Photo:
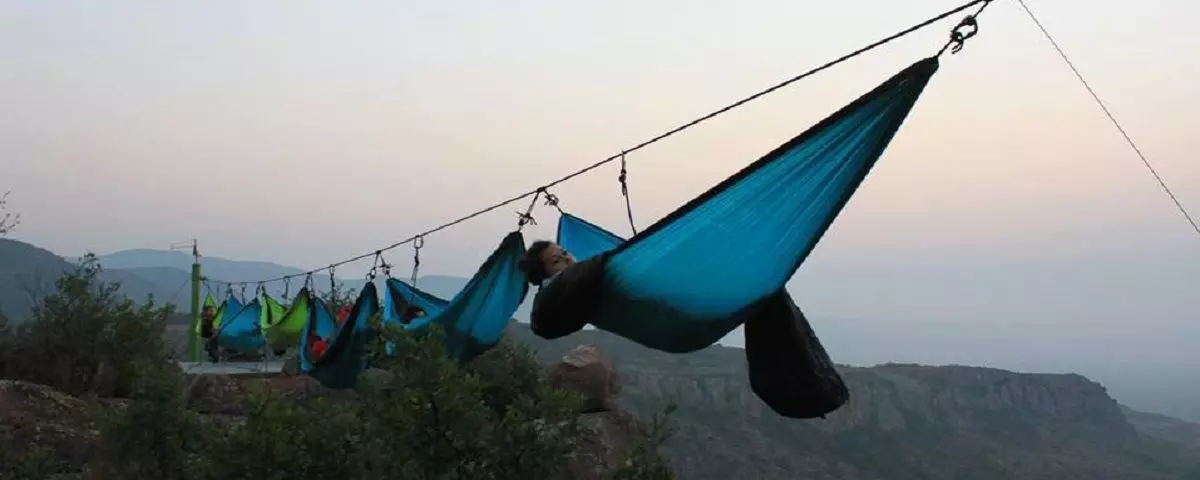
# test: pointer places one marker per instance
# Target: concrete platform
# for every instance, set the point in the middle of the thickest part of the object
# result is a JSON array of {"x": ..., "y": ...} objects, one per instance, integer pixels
[{"x": 232, "y": 368}]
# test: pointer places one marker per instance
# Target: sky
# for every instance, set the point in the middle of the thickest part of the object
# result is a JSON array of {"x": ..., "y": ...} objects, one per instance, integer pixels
[{"x": 1008, "y": 223}]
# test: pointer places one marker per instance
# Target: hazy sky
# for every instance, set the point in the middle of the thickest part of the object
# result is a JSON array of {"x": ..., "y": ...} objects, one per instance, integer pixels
[{"x": 1007, "y": 224}]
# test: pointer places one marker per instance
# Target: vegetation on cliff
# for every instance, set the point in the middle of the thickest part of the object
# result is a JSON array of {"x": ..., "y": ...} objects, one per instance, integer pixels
[{"x": 418, "y": 415}]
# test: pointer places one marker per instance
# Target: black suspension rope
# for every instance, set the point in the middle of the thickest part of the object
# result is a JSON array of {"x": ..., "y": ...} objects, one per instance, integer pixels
[
  {"x": 624, "y": 179},
  {"x": 418, "y": 244},
  {"x": 957, "y": 37},
  {"x": 1112, "y": 118}
]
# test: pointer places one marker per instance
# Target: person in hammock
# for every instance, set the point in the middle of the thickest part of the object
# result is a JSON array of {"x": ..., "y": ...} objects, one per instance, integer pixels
[
  {"x": 206, "y": 332},
  {"x": 566, "y": 288},
  {"x": 316, "y": 347},
  {"x": 412, "y": 313},
  {"x": 789, "y": 368}
]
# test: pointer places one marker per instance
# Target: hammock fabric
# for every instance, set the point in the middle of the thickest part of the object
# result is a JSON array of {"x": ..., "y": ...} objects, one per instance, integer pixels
[
  {"x": 583, "y": 239},
  {"x": 345, "y": 357},
  {"x": 789, "y": 368},
  {"x": 283, "y": 326},
  {"x": 241, "y": 327},
  {"x": 215, "y": 321},
  {"x": 476, "y": 318},
  {"x": 723, "y": 259}
]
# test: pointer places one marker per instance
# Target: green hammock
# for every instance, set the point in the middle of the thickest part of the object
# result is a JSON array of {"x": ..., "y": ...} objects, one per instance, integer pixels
[
  {"x": 209, "y": 302},
  {"x": 283, "y": 326}
]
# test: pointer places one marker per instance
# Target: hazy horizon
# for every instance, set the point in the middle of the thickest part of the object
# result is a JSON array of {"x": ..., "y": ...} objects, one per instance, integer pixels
[{"x": 1007, "y": 224}]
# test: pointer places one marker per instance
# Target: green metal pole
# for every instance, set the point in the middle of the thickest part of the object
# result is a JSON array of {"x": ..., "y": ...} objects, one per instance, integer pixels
[{"x": 194, "y": 333}]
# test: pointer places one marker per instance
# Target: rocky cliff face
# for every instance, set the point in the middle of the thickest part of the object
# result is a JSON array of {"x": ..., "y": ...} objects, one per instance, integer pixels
[{"x": 902, "y": 422}]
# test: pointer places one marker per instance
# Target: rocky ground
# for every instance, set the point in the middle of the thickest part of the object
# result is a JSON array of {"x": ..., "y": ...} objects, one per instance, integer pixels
[{"x": 36, "y": 416}]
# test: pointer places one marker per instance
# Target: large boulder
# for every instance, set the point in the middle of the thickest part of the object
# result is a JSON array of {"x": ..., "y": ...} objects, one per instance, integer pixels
[{"x": 585, "y": 371}]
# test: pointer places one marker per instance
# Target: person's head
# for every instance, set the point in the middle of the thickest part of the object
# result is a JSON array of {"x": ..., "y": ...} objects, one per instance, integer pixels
[
  {"x": 414, "y": 312},
  {"x": 207, "y": 312},
  {"x": 543, "y": 260}
]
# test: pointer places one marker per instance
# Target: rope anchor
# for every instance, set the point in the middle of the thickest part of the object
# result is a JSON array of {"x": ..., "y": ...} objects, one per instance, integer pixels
[
  {"x": 965, "y": 29},
  {"x": 418, "y": 244}
]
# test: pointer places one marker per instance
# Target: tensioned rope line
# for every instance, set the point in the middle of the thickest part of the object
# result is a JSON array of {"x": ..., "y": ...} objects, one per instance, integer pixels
[
  {"x": 1112, "y": 118},
  {"x": 956, "y": 40}
]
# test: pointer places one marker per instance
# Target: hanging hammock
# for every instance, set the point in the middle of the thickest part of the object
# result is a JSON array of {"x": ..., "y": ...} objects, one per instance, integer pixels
[
  {"x": 477, "y": 317},
  {"x": 789, "y": 368},
  {"x": 218, "y": 312},
  {"x": 345, "y": 357},
  {"x": 583, "y": 239},
  {"x": 697, "y": 274},
  {"x": 283, "y": 326},
  {"x": 242, "y": 330},
  {"x": 723, "y": 259}
]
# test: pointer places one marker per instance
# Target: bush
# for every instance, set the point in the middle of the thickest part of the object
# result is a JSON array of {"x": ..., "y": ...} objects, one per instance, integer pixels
[
  {"x": 418, "y": 415},
  {"x": 422, "y": 416},
  {"x": 85, "y": 337},
  {"x": 156, "y": 437},
  {"x": 645, "y": 462}
]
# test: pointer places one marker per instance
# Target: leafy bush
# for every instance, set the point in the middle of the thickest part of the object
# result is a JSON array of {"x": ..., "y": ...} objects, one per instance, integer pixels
[
  {"x": 156, "y": 437},
  {"x": 645, "y": 462},
  {"x": 416, "y": 415},
  {"x": 420, "y": 416},
  {"x": 85, "y": 337}
]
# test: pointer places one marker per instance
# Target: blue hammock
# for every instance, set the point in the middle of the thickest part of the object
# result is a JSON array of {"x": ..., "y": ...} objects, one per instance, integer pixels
[
  {"x": 689, "y": 279},
  {"x": 345, "y": 357},
  {"x": 477, "y": 317},
  {"x": 240, "y": 328},
  {"x": 399, "y": 296},
  {"x": 583, "y": 239}
]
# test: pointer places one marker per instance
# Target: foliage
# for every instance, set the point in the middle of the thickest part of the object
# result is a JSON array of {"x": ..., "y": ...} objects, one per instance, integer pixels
[
  {"x": 645, "y": 462},
  {"x": 8, "y": 221},
  {"x": 37, "y": 463},
  {"x": 339, "y": 296},
  {"x": 417, "y": 414},
  {"x": 85, "y": 336},
  {"x": 156, "y": 437}
]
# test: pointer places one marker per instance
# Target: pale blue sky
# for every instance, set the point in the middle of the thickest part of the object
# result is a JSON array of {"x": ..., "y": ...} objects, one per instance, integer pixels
[{"x": 304, "y": 132}]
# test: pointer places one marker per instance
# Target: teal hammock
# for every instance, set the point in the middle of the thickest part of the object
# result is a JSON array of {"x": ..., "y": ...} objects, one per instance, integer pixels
[
  {"x": 477, "y": 317},
  {"x": 694, "y": 276}
]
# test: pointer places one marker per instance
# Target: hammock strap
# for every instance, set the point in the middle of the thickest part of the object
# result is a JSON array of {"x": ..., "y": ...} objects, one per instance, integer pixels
[{"x": 623, "y": 178}]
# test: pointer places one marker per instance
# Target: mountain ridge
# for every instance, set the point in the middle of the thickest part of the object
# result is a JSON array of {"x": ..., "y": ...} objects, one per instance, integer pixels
[{"x": 171, "y": 282}]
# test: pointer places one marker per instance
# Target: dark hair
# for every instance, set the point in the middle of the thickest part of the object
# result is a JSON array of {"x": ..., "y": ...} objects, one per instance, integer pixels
[{"x": 531, "y": 263}]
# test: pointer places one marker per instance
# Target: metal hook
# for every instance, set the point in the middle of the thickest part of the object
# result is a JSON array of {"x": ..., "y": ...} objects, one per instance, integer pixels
[
  {"x": 624, "y": 175},
  {"x": 418, "y": 243},
  {"x": 552, "y": 201},
  {"x": 374, "y": 266},
  {"x": 526, "y": 218},
  {"x": 964, "y": 30}
]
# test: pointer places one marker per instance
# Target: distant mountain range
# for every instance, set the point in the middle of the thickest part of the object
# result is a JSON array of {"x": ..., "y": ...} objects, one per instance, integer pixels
[
  {"x": 902, "y": 422},
  {"x": 166, "y": 275}
]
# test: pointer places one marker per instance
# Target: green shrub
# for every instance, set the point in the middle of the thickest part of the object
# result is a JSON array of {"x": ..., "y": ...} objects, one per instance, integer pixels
[
  {"x": 85, "y": 337},
  {"x": 156, "y": 437},
  {"x": 645, "y": 462}
]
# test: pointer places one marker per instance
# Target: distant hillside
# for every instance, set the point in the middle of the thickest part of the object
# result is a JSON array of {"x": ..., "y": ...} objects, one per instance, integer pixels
[
  {"x": 26, "y": 271},
  {"x": 1155, "y": 389},
  {"x": 214, "y": 267},
  {"x": 903, "y": 422},
  {"x": 1166, "y": 428}
]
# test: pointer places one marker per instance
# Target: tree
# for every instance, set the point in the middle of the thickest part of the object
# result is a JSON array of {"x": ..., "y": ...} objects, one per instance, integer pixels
[
  {"x": 8, "y": 221},
  {"x": 86, "y": 337}
]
